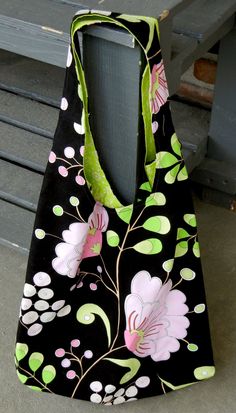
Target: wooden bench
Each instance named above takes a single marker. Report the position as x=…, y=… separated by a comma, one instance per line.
x=29, y=104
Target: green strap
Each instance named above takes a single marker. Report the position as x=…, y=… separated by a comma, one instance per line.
x=93, y=172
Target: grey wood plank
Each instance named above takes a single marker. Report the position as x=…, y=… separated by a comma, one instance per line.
x=33, y=40
x=16, y=226
x=58, y=13
x=28, y=111
x=203, y=17
x=22, y=74
x=220, y=175
x=24, y=147
x=19, y=185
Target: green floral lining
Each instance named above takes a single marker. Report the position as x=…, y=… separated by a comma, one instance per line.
x=95, y=176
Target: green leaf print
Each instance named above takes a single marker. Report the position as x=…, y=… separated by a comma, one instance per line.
x=36, y=388
x=196, y=249
x=48, y=374
x=149, y=246
x=158, y=224
x=182, y=233
x=170, y=177
x=183, y=174
x=165, y=159
x=175, y=144
x=22, y=377
x=181, y=249
x=146, y=186
x=21, y=351
x=132, y=364
x=112, y=238
x=85, y=315
x=35, y=361
x=190, y=219
x=157, y=198
x=125, y=213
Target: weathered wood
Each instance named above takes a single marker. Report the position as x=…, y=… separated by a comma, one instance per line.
x=60, y=10
x=19, y=186
x=220, y=175
x=23, y=147
x=192, y=133
x=16, y=226
x=24, y=75
x=222, y=143
x=27, y=111
x=202, y=18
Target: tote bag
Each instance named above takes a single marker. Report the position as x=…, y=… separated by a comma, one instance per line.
x=113, y=306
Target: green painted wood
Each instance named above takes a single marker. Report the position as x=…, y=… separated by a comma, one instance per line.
x=19, y=185
x=16, y=226
x=202, y=18
x=28, y=111
x=23, y=147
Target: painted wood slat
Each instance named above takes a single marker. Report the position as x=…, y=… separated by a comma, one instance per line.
x=203, y=17
x=58, y=13
x=22, y=74
x=24, y=147
x=19, y=185
x=16, y=226
x=27, y=111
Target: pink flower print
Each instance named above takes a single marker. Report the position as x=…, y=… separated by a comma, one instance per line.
x=82, y=240
x=98, y=222
x=159, y=88
x=155, y=317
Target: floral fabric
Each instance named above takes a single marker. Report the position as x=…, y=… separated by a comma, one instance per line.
x=113, y=306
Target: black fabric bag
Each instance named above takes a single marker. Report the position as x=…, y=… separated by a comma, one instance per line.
x=114, y=305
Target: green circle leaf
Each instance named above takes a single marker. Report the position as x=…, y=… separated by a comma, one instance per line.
x=74, y=201
x=149, y=246
x=204, y=372
x=58, y=210
x=168, y=265
x=35, y=361
x=187, y=274
x=112, y=238
x=199, y=308
x=39, y=233
x=48, y=374
x=192, y=347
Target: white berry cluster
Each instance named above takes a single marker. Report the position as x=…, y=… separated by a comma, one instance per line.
x=109, y=394
x=40, y=310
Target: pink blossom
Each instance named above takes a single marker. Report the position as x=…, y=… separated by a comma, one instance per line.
x=159, y=87
x=155, y=317
x=82, y=240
